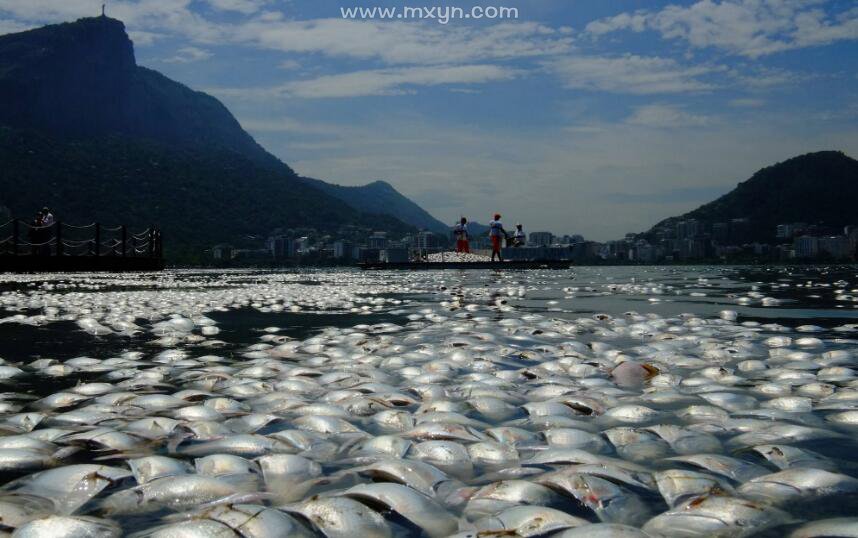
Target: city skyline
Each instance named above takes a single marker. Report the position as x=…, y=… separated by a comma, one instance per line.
x=579, y=117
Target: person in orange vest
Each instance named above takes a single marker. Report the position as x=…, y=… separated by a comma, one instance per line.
x=460, y=231
x=497, y=234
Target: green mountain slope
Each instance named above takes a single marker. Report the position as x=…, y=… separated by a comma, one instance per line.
x=381, y=197
x=816, y=188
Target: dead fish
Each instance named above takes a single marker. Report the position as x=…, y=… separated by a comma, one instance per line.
x=341, y=517
x=149, y=468
x=804, y=483
x=844, y=526
x=503, y=494
x=421, y=510
x=527, y=521
x=176, y=492
x=17, y=509
x=679, y=485
x=68, y=526
x=602, y=530
x=631, y=373
x=734, y=469
x=610, y=502
x=69, y=487
x=253, y=520
x=193, y=528
x=416, y=474
x=788, y=457
x=715, y=515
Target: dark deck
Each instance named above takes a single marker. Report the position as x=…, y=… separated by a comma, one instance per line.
x=67, y=264
x=425, y=266
x=61, y=247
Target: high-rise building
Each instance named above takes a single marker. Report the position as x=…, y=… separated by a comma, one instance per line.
x=377, y=240
x=806, y=247
x=721, y=233
x=851, y=233
x=688, y=229
x=222, y=252
x=541, y=239
x=427, y=240
x=281, y=247
x=301, y=245
x=836, y=246
x=343, y=249
x=740, y=230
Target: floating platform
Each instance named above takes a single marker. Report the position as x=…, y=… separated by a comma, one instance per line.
x=433, y=266
x=69, y=264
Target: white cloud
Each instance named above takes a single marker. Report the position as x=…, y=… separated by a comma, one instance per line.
x=665, y=116
x=751, y=28
x=746, y=102
x=285, y=124
x=154, y=17
x=374, y=82
x=404, y=42
x=289, y=65
x=10, y=27
x=635, y=22
x=392, y=81
x=187, y=55
x=630, y=74
x=143, y=38
x=246, y=7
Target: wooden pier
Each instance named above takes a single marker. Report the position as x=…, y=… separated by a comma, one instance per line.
x=63, y=247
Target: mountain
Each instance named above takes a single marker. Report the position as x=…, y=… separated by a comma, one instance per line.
x=816, y=188
x=87, y=131
x=381, y=197
x=81, y=79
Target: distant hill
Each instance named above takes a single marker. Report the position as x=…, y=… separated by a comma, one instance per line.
x=816, y=188
x=381, y=197
x=86, y=130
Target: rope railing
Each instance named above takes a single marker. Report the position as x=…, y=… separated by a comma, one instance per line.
x=61, y=239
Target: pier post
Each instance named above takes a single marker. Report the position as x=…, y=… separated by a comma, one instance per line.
x=124, y=240
x=59, y=238
x=15, y=223
x=97, y=251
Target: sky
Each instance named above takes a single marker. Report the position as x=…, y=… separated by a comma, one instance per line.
x=597, y=117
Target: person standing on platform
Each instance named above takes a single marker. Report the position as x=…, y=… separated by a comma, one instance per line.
x=460, y=232
x=48, y=222
x=497, y=234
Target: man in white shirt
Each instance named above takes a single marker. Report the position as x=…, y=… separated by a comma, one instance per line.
x=47, y=217
x=519, y=237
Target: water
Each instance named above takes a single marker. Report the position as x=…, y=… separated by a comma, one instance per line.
x=346, y=356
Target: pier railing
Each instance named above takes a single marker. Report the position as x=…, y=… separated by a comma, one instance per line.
x=20, y=238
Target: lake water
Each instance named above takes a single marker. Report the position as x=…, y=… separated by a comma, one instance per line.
x=686, y=401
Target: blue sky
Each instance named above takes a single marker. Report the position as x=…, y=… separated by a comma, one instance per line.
x=580, y=116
